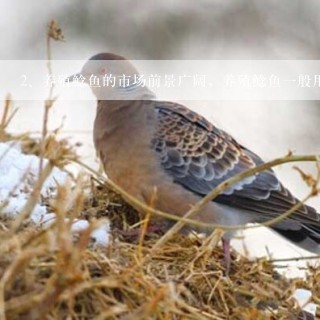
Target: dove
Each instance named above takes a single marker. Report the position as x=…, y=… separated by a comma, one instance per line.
x=146, y=144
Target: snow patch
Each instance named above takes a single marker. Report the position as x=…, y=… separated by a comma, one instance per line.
x=303, y=297
x=100, y=235
x=18, y=174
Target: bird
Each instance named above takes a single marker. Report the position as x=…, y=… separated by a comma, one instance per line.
x=145, y=143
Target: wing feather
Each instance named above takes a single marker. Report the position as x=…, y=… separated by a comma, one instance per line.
x=200, y=156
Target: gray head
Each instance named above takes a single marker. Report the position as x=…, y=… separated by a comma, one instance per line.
x=112, y=77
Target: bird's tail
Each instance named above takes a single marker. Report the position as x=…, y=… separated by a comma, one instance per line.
x=307, y=237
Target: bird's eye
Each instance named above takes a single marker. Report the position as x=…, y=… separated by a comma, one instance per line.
x=103, y=71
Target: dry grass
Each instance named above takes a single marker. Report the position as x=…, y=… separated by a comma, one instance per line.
x=47, y=274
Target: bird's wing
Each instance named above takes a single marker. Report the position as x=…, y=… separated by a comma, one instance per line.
x=200, y=156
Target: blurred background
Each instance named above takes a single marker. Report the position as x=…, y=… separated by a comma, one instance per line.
x=178, y=29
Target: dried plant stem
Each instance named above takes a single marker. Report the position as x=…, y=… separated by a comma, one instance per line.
x=295, y=259
x=145, y=225
x=177, y=227
x=5, y=112
x=50, y=100
x=47, y=106
x=213, y=194
x=17, y=264
x=241, y=176
x=34, y=198
x=13, y=190
x=6, y=116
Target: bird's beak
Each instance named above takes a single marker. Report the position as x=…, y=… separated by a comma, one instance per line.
x=72, y=77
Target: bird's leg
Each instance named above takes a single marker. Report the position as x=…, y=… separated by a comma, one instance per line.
x=226, y=254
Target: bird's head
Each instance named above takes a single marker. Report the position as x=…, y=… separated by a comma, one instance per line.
x=112, y=77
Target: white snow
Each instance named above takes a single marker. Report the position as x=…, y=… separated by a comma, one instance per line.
x=18, y=173
x=303, y=297
x=101, y=235
x=79, y=225
x=261, y=242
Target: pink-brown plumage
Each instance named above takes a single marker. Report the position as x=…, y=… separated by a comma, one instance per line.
x=146, y=144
